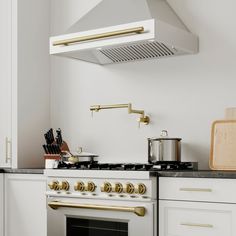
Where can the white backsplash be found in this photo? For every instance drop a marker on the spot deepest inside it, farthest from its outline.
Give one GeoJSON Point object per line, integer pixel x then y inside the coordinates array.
{"type": "Point", "coordinates": [181, 94]}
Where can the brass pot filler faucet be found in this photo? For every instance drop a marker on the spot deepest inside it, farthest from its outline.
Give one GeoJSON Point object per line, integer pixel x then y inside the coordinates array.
{"type": "Point", "coordinates": [142, 119]}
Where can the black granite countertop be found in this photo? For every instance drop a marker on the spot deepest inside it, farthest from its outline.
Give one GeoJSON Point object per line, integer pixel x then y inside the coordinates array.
{"type": "Point", "coordinates": [21, 171]}
{"type": "Point", "coordinates": [197, 174]}
{"type": "Point", "coordinates": [171, 173]}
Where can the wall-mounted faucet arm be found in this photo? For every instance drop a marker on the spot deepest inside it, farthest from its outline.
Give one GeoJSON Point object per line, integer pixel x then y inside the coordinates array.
{"type": "Point", "coordinates": [102, 107]}
{"type": "Point", "coordinates": [143, 119]}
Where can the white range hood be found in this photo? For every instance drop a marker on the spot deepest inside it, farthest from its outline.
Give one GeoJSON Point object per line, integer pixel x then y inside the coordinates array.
{"type": "Point", "coordinates": [116, 31]}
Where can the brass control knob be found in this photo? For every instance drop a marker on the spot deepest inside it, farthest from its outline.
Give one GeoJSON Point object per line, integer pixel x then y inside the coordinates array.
{"type": "Point", "coordinates": [117, 188]}
{"type": "Point", "coordinates": [90, 187]}
{"type": "Point", "coordinates": [64, 185]}
{"type": "Point", "coordinates": [129, 188]}
{"type": "Point", "coordinates": [53, 185]}
{"type": "Point", "coordinates": [79, 186]}
{"type": "Point", "coordinates": [140, 189]}
{"type": "Point", "coordinates": [106, 187]}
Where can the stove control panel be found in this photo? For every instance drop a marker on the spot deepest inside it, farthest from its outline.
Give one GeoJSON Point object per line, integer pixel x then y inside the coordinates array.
{"type": "Point", "coordinates": [102, 188]}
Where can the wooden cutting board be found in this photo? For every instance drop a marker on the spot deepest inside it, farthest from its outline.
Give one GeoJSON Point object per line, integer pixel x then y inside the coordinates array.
{"type": "Point", "coordinates": [223, 145]}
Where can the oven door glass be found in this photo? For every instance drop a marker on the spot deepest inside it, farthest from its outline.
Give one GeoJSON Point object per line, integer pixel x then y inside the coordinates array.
{"type": "Point", "coordinates": [90, 217]}
{"type": "Point", "coordinates": [88, 227]}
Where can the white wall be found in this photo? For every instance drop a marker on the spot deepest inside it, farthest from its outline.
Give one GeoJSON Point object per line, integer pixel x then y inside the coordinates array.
{"type": "Point", "coordinates": [181, 94]}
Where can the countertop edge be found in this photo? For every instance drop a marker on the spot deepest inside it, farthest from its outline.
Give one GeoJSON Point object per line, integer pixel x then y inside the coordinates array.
{"type": "Point", "coordinates": [171, 173]}
{"type": "Point", "coordinates": [21, 171]}
{"type": "Point", "coordinates": [197, 174]}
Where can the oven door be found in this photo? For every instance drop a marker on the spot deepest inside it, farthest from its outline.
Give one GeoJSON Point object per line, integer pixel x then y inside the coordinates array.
{"type": "Point", "coordinates": [89, 217]}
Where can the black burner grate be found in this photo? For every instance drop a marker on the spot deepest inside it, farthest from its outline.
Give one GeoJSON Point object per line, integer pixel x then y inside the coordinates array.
{"type": "Point", "coordinates": [157, 166]}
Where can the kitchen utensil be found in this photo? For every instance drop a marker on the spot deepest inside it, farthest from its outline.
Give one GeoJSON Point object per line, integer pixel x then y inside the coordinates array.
{"type": "Point", "coordinates": [164, 148]}
{"type": "Point", "coordinates": [230, 113]}
{"type": "Point", "coordinates": [223, 145]}
{"type": "Point", "coordinates": [49, 137]}
{"type": "Point", "coordinates": [59, 139]}
{"type": "Point", "coordinates": [75, 157]}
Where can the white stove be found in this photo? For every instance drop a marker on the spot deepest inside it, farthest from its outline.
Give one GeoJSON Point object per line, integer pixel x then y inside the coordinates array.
{"type": "Point", "coordinates": [106, 203]}
{"type": "Point", "coordinates": [93, 199]}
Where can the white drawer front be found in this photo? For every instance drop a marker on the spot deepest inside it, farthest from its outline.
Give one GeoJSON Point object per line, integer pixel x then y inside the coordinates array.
{"type": "Point", "coordinates": [196, 219]}
{"type": "Point", "coordinates": [198, 189]}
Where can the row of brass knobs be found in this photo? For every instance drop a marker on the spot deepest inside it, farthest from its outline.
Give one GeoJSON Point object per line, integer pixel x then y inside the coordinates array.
{"type": "Point", "coordinates": [106, 187]}
{"type": "Point", "coordinates": [127, 188]}
{"type": "Point", "coordinates": [79, 186]}
{"type": "Point", "coordinates": [55, 185]}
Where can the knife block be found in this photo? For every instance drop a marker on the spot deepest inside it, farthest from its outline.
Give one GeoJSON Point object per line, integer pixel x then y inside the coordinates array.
{"type": "Point", "coordinates": [51, 159]}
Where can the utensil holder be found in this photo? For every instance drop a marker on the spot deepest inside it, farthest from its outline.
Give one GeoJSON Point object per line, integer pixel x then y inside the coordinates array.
{"type": "Point", "coordinates": [52, 160]}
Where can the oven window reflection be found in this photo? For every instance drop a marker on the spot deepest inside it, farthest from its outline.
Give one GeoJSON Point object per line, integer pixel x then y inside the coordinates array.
{"type": "Point", "coordinates": [87, 227]}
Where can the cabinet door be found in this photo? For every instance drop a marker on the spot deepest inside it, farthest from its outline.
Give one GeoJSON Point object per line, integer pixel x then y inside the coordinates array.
{"type": "Point", "coordinates": [1, 204]}
{"type": "Point", "coordinates": [5, 82]}
{"type": "Point", "coordinates": [25, 205]}
{"type": "Point", "coordinates": [177, 218]}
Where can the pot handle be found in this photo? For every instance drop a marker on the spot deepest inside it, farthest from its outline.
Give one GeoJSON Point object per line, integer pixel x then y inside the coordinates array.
{"type": "Point", "coordinates": [150, 151]}
{"type": "Point", "coordinates": [161, 149]}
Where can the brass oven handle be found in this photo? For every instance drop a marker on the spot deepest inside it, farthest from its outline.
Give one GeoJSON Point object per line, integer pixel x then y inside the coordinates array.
{"type": "Point", "coordinates": [65, 42]}
{"type": "Point", "coordinates": [197, 225]}
{"type": "Point", "coordinates": [139, 211]}
{"type": "Point", "coordinates": [196, 190]}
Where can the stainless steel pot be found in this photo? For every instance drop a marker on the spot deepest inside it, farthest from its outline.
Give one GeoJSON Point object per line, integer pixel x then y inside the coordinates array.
{"type": "Point", "coordinates": [164, 148]}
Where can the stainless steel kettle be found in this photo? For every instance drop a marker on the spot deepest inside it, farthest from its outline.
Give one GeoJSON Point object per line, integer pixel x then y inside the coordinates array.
{"type": "Point", "coordinates": [164, 148]}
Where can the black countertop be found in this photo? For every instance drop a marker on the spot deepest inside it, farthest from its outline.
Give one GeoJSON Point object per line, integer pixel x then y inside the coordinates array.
{"type": "Point", "coordinates": [171, 173]}
{"type": "Point", "coordinates": [22, 171]}
{"type": "Point", "coordinates": [197, 174]}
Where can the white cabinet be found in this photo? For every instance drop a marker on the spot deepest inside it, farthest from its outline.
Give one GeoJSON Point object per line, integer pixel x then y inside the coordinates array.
{"type": "Point", "coordinates": [25, 205]}
{"type": "Point", "coordinates": [198, 189]}
{"type": "Point", "coordinates": [5, 81]}
{"type": "Point", "coordinates": [197, 207]}
{"type": "Point", "coordinates": [1, 204]}
{"type": "Point", "coordinates": [180, 218]}
{"type": "Point", "coordinates": [24, 78]}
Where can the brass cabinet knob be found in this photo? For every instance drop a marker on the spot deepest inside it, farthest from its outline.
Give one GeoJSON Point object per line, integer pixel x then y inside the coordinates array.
{"type": "Point", "coordinates": [129, 188]}
{"type": "Point", "coordinates": [140, 189]}
{"type": "Point", "coordinates": [90, 187]}
{"type": "Point", "coordinates": [106, 187]}
{"type": "Point", "coordinates": [79, 186]}
{"type": "Point", "coordinates": [117, 188]}
{"type": "Point", "coordinates": [64, 185]}
{"type": "Point", "coordinates": [53, 185]}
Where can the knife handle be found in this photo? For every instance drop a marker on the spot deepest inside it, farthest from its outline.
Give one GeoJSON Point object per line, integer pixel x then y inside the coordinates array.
{"type": "Point", "coordinates": [45, 149]}
{"type": "Point", "coordinates": [46, 138]}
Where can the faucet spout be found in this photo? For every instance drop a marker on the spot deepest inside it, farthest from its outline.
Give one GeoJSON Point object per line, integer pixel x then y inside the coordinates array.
{"type": "Point", "coordinates": [142, 119]}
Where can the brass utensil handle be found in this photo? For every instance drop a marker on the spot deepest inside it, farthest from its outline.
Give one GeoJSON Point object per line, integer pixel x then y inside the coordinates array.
{"type": "Point", "coordinates": [197, 225]}
{"type": "Point", "coordinates": [65, 42]}
{"type": "Point", "coordinates": [139, 211]}
{"type": "Point", "coordinates": [196, 189]}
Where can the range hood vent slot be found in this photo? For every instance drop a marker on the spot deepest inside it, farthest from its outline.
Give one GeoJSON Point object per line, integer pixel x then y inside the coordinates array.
{"type": "Point", "coordinates": [137, 52]}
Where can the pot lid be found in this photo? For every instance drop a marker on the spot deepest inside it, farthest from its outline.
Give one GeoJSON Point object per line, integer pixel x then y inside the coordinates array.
{"type": "Point", "coordinates": [83, 154]}
{"type": "Point", "coordinates": [164, 136]}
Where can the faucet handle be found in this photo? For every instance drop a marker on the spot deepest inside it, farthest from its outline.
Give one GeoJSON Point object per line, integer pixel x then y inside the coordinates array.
{"type": "Point", "coordinates": [143, 119]}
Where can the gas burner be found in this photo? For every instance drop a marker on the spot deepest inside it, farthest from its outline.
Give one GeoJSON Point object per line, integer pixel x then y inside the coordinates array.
{"type": "Point", "coordinates": [157, 166]}
{"type": "Point", "coordinates": [84, 165]}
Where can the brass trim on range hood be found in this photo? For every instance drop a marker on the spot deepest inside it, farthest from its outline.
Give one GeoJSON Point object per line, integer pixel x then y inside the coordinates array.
{"type": "Point", "coordinates": [66, 42]}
